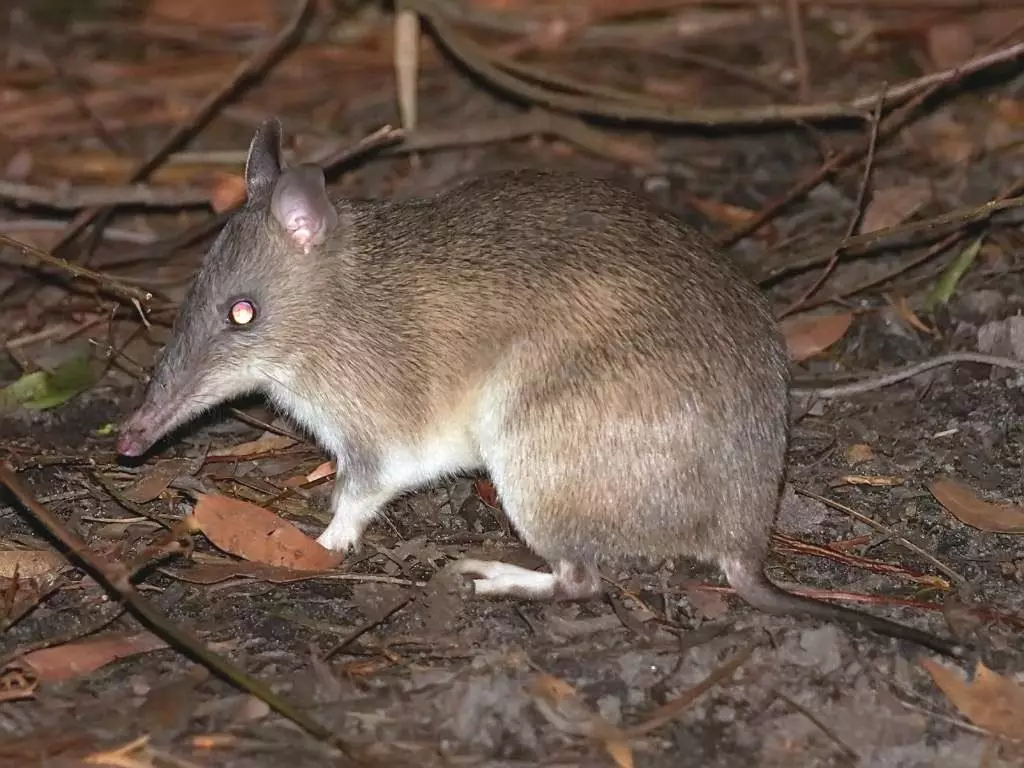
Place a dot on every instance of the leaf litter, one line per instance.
(968, 507)
(254, 533)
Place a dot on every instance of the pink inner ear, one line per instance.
(300, 205)
(303, 229)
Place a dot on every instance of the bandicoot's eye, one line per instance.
(242, 312)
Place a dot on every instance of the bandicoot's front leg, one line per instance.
(352, 509)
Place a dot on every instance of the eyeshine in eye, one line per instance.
(242, 313)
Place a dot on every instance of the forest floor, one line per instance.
(383, 650)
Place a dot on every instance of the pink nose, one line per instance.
(132, 442)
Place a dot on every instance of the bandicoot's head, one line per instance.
(245, 308)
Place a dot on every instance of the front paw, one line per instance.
(340, 538)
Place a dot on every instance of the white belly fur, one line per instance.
(418, 460)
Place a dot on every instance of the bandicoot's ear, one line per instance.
(300, 205)
(263, 165)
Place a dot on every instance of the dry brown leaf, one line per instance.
(944, 139)
(950, 44)
(908, 315)
(265, 443)
(858, 453)
(990, 701)
(228, 191)
(84, 656)
(30, 563)
(324, 470)
(565, 709)
(251, 532)
(807, 335)
(732, 215)
(894, 205)
(967, 507)
(156, 480)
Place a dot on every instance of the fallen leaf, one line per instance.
(565, 709)
(732, 215)
(228, 191)
(156, 480)
(990, 701)
(710, 605)
(324, 470)
(486, 492)
(902, 308)
(808, 335)
(265, 443)
(30, 563)
(950, 44)
(41, 390)
(84, 656)
(943, 290)
(858, 453)
(967, 507)
(251, 532)
(169, 706)
(944, 139)
(891, 206)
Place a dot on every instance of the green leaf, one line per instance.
(42, 390)
(945, 287)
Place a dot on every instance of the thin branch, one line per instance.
(113, 576)
(104, 282)
(957, 219)
(246, 73)
(483, 63)
(93, 196)
(892, 123)
(855, 219)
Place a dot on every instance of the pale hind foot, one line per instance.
(567, 581)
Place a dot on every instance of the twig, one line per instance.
(855, 219)
(871, 241)
(481, 62)
(247, 72)
(880, 381)
(536, 122)
(104, 195)
(365, 627)
(784, 543)
(892, 123)
(843, 746)
(668, 712)
(113, 234)
(476, 58)
(330, 158)
(955, 577)
(103, 282)
(794, 15)
(947, 242)
(113, 576)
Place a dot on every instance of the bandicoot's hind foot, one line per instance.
(567, 581)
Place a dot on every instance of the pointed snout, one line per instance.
(141, 431)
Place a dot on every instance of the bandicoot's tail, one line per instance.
(754, 587)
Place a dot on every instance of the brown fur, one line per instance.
(623, 383)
